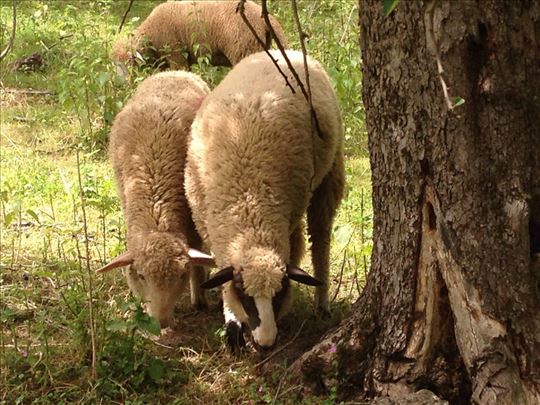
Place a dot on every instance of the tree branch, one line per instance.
(303, 36)
(12, 36)
(125, 15)
(241, 9)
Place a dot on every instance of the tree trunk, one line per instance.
(451, 304)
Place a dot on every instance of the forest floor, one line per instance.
(60, 219)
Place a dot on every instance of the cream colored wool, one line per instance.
(147, 148)
(254, 166)
(174, 27)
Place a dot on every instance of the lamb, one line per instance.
(254, 167)
(173, 29)
(147, 148)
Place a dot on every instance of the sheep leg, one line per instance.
(297, 245)
(234, 330)
(321, 212)
(197, 276)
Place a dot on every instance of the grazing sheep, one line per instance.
(253, 168)
(173, 29)
(147, 148)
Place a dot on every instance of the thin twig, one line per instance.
(12, 36)
(88, 270)
(303, 37)
(275, 352)
(346, 30)
(437, 51)
(274, 401)
(240, 9)
(281, 48)
(340, 276)
(125, 15)
(28, 91)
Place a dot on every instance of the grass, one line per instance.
(48, 219)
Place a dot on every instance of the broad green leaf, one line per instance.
(389, 6)
(9, 218)
(103, 78)
(343, 235)
(33, 214)
(116, 325)
(457, 101)
(156, 369)
(147, 323)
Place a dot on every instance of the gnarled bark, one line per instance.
(451, 303)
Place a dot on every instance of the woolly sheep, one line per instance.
(253, 168)
(147, 149)
(173, 28)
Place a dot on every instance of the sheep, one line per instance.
(173, 29)
(254, 166)
(147, 148)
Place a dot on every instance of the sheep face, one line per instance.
(159, 273)
(257, 307)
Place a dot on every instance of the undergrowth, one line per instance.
(55, 228)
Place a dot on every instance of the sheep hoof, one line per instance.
(235, 337)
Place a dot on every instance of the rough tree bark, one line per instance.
(451, 304)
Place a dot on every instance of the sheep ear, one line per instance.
(221, 277)
(301, 276)
(125, 259)
(199, 258)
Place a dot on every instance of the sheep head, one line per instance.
(159, 271)
(259, 297)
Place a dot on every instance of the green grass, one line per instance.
(46, 140)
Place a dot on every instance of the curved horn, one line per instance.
(125, 259)
(299, 275)
(221, 277)
(199, 258)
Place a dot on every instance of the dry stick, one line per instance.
(282, 347)
(28, 91)
(90, 281)
(340, 276)
(274, 401)
(125, 15)
(345, 31)
(240, 9)
(12, 36)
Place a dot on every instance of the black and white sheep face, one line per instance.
(259, 312)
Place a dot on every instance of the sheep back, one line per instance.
(254, 161)
(214, 25)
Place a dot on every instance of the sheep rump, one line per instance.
(147, 148)
(254, 168)
(173, 28)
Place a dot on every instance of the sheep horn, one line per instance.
(124, 259)
(199, 258)
(301, 276)
(221, 277)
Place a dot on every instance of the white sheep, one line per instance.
(254, 167)
(148, 143)
(174, 29)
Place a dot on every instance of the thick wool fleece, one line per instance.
(175, 27)
(254, 162)
(148, 144)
